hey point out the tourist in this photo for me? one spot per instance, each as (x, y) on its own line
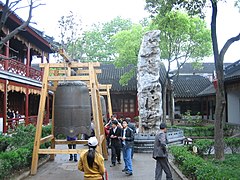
(127, 144)
(9, 114)
(17, 115)
(91, 162)
(131, 126)
(160, 154)
(114, 134)
(72, 146)
(108, 126)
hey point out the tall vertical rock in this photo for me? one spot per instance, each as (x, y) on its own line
(149, 87)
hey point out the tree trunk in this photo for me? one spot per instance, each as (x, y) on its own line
(164, 101)
(171, 106)
(220, 95)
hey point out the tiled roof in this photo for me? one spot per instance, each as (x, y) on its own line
(209, 68)
(210, 90)
(111, 75)
(232, 72)
(186, 86)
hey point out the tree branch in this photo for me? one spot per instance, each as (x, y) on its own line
(21, 27)
(228, 44)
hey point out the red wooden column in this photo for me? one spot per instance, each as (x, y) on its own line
(26, 105)
(6, 53)
(28, 59)
(5, 107)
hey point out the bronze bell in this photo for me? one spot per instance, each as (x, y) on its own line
(104, 109)
(72, 111)
(103, 106)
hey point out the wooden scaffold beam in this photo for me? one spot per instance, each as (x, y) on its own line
(61, 72)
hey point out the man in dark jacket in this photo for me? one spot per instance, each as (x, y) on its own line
(127, 144)
(131, 126)
(160, 154)
(114, 135)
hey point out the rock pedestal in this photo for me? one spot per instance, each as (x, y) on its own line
(149, 87)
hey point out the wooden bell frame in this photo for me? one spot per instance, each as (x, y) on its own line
(60, 72)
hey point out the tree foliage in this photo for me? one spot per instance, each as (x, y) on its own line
(96, 42)
(159, 6)
(127, 44)
(182, 38)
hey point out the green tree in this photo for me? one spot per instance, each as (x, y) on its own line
(96, 42)
(155, 6)
(127, 44)
(183, 38)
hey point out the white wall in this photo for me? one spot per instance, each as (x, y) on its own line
(233, 107)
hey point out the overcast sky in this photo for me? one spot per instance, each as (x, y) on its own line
(93, 11)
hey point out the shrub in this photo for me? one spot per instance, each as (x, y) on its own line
(197, 130)
(22, 136)
(204, 146)
(197, 168)
(4, 142)
(233, 144)
(19, 155)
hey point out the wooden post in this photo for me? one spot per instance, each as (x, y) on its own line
(27, 106)
(7, 53)
(5, 107)
(52, 156)
(109, 102)
(7, 46)
(40, 120)
(28, 59)
(94, 106)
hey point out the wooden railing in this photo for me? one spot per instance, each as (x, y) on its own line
(12, 123)
(19, 68)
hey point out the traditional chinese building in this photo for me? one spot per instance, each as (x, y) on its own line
(20, 84)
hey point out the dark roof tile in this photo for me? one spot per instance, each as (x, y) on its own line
(232, 72)
(210, 90)
(186, 86)
(187, 68)
(111, 75)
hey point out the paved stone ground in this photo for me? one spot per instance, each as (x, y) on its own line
(62, 169)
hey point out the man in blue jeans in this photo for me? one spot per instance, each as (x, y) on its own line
(127, 146)
(72, 146)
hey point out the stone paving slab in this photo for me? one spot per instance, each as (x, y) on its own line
(62, 169)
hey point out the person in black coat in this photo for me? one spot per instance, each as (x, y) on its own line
(114, 134)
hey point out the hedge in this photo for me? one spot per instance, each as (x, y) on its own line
(18, 154)
(195, 167)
